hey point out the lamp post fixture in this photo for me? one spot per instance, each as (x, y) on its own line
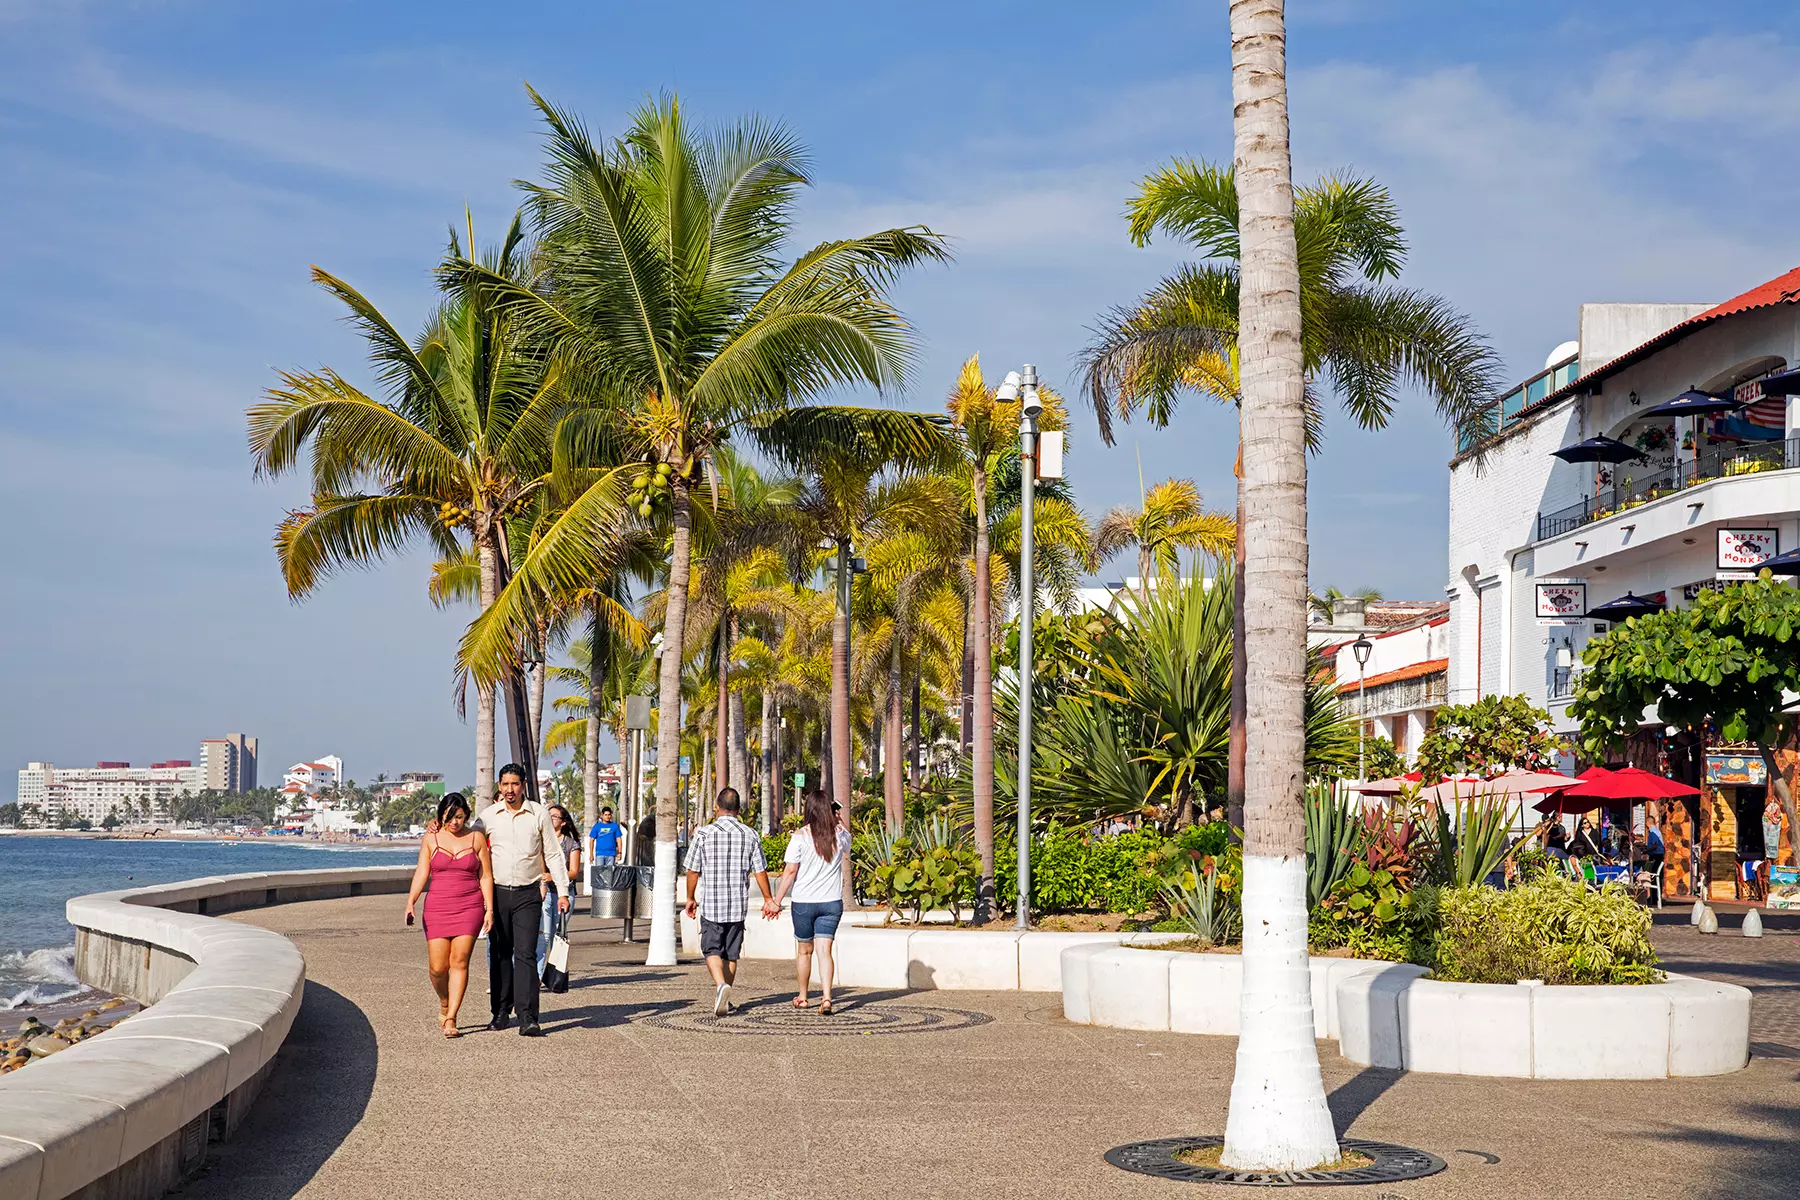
(1361, 647)
(1022, 386)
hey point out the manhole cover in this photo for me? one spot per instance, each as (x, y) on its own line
(778, 1017)
(1158, 1158)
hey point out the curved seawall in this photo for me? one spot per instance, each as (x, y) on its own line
(133, 1109)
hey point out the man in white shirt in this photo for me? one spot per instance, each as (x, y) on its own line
(524, 848)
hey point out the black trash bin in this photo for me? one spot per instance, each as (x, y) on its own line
(611, 896)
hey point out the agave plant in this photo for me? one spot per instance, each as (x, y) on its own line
(1470, 841)
(1204, 909)
(1334, 841)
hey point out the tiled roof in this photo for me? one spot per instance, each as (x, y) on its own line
(1783, 289)
(1430, 666)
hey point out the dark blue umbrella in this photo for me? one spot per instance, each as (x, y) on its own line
(1782, 564)
(1598, 449)
(1787, 384)
(1694, 404)
(1624, 607)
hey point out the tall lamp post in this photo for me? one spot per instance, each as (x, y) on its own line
(1022, 386)
(1361, 647)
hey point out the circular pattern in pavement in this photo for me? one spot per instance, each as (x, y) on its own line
(778, 1017)
(1158, 1158)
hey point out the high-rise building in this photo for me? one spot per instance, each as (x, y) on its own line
(243, 762)
(134, 793)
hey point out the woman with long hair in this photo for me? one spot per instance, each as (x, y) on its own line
(818, 855)
(454, 863)
(569, 834)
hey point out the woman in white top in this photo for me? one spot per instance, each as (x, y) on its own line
(817, 856)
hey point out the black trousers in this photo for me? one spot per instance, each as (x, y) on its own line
(513, 986)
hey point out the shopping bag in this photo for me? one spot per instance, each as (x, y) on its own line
(556, 962)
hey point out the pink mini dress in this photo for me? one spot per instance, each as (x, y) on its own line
(453, 904)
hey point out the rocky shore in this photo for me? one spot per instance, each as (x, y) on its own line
(34, 1031)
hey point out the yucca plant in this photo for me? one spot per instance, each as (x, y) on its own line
(1204, 909)
(1470, 844)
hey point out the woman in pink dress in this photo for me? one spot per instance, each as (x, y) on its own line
(459, 906)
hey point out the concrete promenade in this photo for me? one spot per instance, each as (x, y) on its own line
(371, 1101)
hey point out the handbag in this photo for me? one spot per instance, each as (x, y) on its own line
(556, 961)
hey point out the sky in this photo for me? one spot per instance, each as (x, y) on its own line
(173, 168)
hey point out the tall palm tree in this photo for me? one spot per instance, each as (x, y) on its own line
(1278, 1118)
(455, 451)
(662, 283)
(1170, 520)
(1321, 604)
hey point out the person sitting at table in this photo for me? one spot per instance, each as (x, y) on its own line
(1582, 844)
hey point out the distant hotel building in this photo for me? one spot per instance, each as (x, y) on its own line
(226, 764)
(306, 779)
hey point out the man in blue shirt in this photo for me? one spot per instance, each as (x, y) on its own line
(603, 840)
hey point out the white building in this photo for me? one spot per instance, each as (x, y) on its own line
(1535, 541)
(90, 793)
(1403, 684)
(311, 778)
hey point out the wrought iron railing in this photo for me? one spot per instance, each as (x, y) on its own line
(1562, 683)
(1631, 488)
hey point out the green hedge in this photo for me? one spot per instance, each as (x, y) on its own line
(1071, 871)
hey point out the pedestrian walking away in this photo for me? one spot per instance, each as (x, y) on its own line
(720, 862)
(813, 872)
(454, 864)
(568, 837)
(524, 848)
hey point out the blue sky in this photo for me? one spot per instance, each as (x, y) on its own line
(174, 167)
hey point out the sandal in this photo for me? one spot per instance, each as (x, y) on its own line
(800, 1002)
(449, 1027)
(824, 1008)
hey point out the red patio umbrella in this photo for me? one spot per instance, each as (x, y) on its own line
(1599, 787)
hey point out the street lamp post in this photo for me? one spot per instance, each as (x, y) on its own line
(1361, 647)
(1023, 386)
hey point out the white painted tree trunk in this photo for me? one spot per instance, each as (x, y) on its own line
(484, 696)
(1278, 1118)
(668, 732)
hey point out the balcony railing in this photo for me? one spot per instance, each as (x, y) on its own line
(1506, 409)
(1631, 489)
(1562, 683)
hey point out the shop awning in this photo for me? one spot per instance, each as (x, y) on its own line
(1785, 384)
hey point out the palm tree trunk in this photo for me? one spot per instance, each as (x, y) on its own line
(913, 734)
(983, 755)
(1234, 750)
(590, 747)
(1278, 1119)
(775, 769)
(965, 736)
(488, 559)
(892, 786)
(1143, 573)
(738, 743)
(765, 778)
(668, 729)
(535, 717)
(722, 732)
(840, 683)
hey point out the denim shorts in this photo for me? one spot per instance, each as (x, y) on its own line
(817, 920)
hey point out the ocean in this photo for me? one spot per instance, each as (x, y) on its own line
(39, 874)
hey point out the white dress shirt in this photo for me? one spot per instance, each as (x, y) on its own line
(524, 847)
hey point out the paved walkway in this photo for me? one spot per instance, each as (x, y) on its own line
(370, 1101)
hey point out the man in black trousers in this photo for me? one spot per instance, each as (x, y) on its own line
(524, 849)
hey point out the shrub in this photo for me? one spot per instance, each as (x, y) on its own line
(1372, 914)
(927, 868)
(1122, 873)
(774, 848)
(1549, 928)
(1209, 906)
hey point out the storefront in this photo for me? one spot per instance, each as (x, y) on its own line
(1731, 836)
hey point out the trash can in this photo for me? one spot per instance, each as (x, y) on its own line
(644, 877)
(611, 895)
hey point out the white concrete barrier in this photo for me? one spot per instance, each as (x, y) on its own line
(1398, 1018)
(128, 1113)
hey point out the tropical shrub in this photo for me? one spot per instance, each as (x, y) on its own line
(1334, 836)
(1467, 848)
(1372, 914)
(774, 847)
(1494, 734)
(928, 868)
(1549, 928)
(1208, 907)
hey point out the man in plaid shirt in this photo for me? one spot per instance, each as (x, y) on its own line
(720, 862)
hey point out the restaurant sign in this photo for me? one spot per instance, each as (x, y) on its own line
(1746, 549)
(1784, 887)
(1561, 601)
(1746, 769)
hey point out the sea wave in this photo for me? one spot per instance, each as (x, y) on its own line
(48, 973)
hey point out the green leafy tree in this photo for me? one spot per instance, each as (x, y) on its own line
(1494, 734)
(1381, 760)
(10, 816)
(111, 820)
(1729, 659)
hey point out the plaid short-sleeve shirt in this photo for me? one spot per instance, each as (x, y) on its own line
(726, 853)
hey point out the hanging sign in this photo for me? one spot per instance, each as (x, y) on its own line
(687, 764)
(1746, 549)
(1561, 601)
(1747, 769)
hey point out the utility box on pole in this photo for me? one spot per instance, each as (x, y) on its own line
(1050, 455)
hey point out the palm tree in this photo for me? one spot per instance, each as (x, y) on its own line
(1321, 605)
(456, 450)
(1369, 336)
(1170, 520)
(1278, 1118)
(663, 286)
